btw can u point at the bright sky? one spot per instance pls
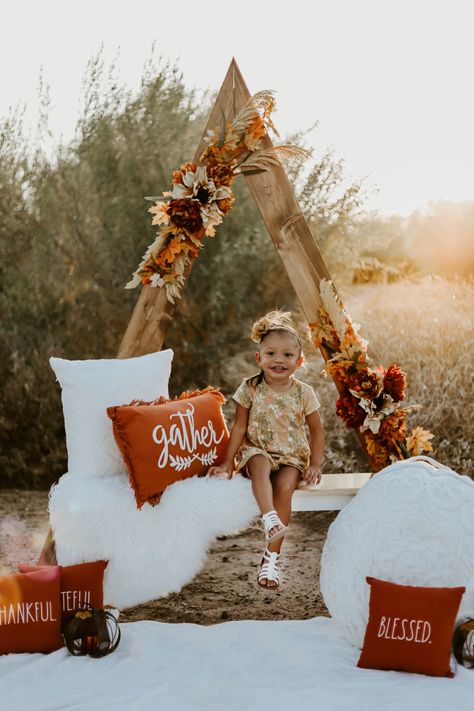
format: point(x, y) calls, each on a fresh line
point(390, 81)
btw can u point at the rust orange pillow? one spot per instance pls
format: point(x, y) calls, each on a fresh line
point(167, 440)
point(410, 628)
point(81, 585)
point(30, 612)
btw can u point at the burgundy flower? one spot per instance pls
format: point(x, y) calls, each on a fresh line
point(395, 382)
point(347, 408)
point(186, 214)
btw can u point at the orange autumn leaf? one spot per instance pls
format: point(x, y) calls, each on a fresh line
point(169, 252)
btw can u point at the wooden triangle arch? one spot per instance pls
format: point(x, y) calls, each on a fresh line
point(283, 218)
point(286, 225)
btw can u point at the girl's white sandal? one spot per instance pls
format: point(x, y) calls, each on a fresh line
point(272, 520)
point(269, 570)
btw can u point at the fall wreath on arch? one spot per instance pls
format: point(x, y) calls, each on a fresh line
point(201, 193)
point(371, 401)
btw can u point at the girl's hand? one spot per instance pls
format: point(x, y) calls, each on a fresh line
point(220, 469)
point(312, 475)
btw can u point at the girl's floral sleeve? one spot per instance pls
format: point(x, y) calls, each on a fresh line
point(311, 402)
point(244, 395)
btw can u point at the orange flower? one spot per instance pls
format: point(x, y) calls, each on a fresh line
point(376, 450)
point(225, 205)
point(221, 173)
point(341, 370)
point(366, 383)
point(393, 428)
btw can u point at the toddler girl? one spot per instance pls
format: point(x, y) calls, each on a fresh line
point(268, 438)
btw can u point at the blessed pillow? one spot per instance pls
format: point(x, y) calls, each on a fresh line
point(30, 612)
point(168, 440)
point(81, 585)
point(88, 388)
point(410, 628)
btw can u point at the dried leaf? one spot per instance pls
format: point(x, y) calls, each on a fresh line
point(170, 251)
point(262, 159)
point(261, 101)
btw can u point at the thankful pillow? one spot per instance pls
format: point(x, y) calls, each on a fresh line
point(167, 440)
point(81, 585)
point(410, 628)
point(30, 612)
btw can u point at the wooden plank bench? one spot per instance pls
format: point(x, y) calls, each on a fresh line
point(332, 494)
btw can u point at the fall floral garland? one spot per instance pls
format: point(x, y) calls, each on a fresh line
point(200, 198)
point(201, 194)
point(371, 398)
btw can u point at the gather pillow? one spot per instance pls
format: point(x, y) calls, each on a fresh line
point(81, 585)
point(88, 388)
point(410, 628)
point(167, 440)
point(30, 612)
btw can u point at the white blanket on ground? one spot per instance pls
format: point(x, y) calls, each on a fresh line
point(153, 551)
point(235, 666)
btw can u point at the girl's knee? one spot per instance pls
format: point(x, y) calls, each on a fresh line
point(286, 481)
point(258, 465)
point(284, 488)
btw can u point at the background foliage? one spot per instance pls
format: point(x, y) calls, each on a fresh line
point(73, 227)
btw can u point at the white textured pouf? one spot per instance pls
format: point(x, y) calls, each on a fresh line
point(412, 524)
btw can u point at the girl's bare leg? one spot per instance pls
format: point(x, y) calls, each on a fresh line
point(284, 482)
point(259, 469)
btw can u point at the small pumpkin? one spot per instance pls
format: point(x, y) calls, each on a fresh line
point(91, 631)
point(463, 643)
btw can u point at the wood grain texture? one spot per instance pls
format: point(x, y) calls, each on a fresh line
point(153, 312)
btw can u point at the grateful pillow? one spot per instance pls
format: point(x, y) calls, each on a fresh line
point(410, 628)
point(81, 585)
point(30, 612)
point(167, 440)
point(88, 388)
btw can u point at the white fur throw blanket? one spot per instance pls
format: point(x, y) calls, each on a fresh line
point(151, 552)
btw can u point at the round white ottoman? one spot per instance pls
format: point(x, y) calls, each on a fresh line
point(412, 524)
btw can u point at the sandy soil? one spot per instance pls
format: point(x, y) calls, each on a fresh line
point(226, 587)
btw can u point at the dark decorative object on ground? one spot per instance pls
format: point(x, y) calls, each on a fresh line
point(93, 632)
point(463, 643)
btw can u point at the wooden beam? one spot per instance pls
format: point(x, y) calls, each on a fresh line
point(153, 312)
point(332, 494)
point(290, 232)
point(286, 225)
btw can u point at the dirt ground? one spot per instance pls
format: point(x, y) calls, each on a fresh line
point(225, 589)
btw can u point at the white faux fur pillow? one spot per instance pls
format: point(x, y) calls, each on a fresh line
point(153, 551)
point(89, 387)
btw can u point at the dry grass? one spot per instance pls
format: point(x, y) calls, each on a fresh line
point(427, 328)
